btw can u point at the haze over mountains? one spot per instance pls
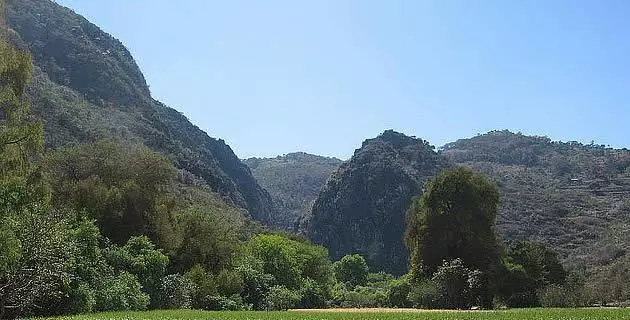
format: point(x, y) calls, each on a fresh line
point(87, 87)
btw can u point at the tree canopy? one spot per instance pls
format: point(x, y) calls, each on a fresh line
point(453, 220)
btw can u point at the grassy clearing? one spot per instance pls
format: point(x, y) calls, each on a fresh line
point(369, 314)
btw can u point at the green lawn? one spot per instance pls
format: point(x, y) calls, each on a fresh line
point(533, 314)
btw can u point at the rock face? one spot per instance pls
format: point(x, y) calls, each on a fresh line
point(87, 87)
point(362, 208)
point(293, 181)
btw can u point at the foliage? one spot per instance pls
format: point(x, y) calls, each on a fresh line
point(210, 238)
point(424, 294)
point(289, 261)
point(140, 258)
point(539, 262)
point(457, 285)
point(281, 298)
point(176, 292)
point(453, 220)
point(121, 187)
point(32, 236)
point(120, 292)
point(398, 293)
point(351, 270)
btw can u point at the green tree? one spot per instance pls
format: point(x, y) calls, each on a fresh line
point(539, 262)
point(209, 239)
point(33, 238)
point(123, 187)
point(140, 258)
point(454, 219)
point(352, 270)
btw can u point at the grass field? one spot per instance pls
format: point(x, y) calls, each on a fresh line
point(368, 314)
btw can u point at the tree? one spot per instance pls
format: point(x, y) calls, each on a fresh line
point(539, 262)
point(453, 219)
point(140, 258)
point(352, 270)
point(123, 187)
point(33, 238)
point(456, 285)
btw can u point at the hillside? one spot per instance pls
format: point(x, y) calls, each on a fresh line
point(362, 207)
point(572, 196)
point(293, 181)
point(88, 87)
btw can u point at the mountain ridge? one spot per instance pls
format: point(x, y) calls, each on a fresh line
point(88, 87)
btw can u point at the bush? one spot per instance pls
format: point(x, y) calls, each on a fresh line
point(203, 285)
point(456, 284)
point(352, 270)
point(281, 298)
point(221, 303)
point(80, 300)
point(176, 292)
point(312, 296)
point(121, 292)
point(424, 294)
point(398, 293)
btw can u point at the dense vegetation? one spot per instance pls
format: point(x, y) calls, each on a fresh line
point(361, 209)
point(293, 181)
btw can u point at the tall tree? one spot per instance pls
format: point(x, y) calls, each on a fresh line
point(32, 238)
point(453, 219)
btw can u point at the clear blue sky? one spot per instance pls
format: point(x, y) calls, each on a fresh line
point(272, 77)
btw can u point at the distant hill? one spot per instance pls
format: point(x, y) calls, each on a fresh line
point(575, 197)
point(88, 87)
point(362, 207)
point(293, 181)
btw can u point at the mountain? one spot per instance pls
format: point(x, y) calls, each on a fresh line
point(362, 207)
point(572, 196)
point(88, 87)
point(293, 181)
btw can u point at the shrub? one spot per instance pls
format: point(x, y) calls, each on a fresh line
point(312, 295)
point(351, 269)
point(398, 293)
point(203, 285)
point(281, 298)
point(221, 303)
point(121, 292)
point(176, 292)
point(424, 294)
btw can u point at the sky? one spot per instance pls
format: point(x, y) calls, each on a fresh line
point(273, 77)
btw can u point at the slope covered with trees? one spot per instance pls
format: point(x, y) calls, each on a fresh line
point(571, 196)
point(293, 181)
point(87, 87)
point(362, 206)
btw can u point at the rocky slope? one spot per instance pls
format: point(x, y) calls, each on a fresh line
point(293, 181)
point(575, 197)
point(362, 207)
point(87, 87)
point(571, 196)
